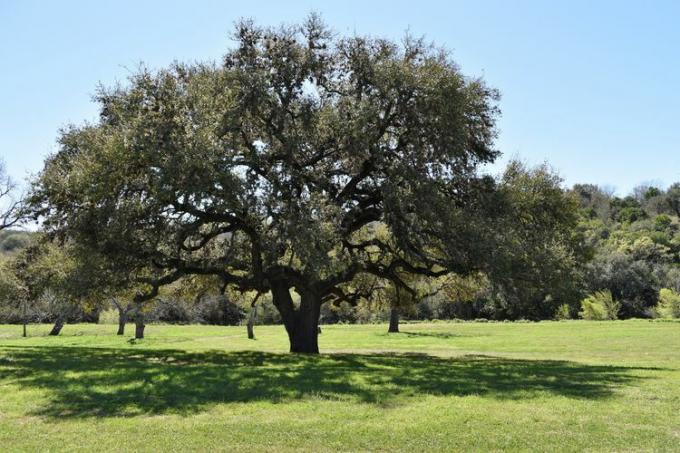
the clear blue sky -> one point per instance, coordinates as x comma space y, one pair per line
592, 87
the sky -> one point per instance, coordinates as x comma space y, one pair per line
591, 87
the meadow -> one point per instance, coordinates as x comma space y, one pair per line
548, 386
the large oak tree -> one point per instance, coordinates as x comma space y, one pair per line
273, 169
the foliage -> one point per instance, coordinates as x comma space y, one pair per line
673, 199
49, 283
633, 258
599, 306
669, 303
539, 252
563, 312
215, 309
12, 292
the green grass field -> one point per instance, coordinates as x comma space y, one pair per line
567, 386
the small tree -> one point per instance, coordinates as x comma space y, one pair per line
124, 307
58, 307
13, 293
42, 269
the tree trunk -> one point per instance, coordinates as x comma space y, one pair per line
251, 322
139, 325
58, 324
24, 318
122, 319
394, 320
305, 333
394, 311
302, 325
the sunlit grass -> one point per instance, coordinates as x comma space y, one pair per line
440, 386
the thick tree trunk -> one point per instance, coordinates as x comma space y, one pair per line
122, 320
302, 324
394, 320
251, 322
305, 334
58, 324
139, 325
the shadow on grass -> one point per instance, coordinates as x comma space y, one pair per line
442, 335
83, 382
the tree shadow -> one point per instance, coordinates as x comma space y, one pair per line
442, 335
84, 382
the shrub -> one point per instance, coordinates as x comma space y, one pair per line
599, 306
631, 214
669, 304
662, 222
562, 312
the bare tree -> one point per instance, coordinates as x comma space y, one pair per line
9, 206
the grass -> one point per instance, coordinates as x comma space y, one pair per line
566, 386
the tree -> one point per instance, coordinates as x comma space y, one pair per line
10, 208
593, 200
538, 250
404, 292
264, 170
394, 311
393, 296
13, 292
124, 309
89, 280
673, 198
42, 270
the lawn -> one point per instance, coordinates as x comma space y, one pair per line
567, 386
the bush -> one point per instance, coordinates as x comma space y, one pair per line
342, 313
215, 310
562, 312
662, 222
669, 304
599, 306
634, 283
